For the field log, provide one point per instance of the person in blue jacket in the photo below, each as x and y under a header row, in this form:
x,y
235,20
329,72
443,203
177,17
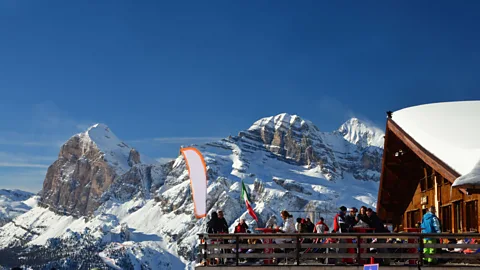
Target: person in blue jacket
x,y
430,224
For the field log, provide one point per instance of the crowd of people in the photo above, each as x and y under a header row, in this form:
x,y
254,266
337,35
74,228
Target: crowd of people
x,y
345,221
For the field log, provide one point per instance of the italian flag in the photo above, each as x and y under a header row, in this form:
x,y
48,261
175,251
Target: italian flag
x,y
246,198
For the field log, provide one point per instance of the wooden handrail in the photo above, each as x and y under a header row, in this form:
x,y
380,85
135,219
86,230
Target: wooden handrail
x,y
359,242
342,235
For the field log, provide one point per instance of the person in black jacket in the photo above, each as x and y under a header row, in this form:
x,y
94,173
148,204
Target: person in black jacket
x,y
215,225
375,222
350,219
223,221
309,224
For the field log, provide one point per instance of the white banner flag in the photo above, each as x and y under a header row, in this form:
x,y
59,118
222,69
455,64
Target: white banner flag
x,y
197,170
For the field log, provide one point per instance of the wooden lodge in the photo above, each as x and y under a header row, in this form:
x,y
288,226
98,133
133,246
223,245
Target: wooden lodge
x,y
413,178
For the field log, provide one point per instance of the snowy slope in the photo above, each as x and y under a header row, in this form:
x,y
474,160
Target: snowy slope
x,y
115,151
14,203
285,161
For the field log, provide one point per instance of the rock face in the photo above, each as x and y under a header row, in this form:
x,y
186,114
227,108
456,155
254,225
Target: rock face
x,y
133,157
287,136
87,166
355,147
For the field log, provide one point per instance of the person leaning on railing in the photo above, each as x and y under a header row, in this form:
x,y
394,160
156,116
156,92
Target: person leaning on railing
x,y
288,227
362,217
288,223
430,224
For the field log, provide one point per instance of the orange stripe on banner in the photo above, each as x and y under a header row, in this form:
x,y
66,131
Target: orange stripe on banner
x,y
188,167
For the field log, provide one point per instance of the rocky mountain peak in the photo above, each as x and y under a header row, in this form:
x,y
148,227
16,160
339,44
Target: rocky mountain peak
x,y
361,133
88,164
283,122
287,136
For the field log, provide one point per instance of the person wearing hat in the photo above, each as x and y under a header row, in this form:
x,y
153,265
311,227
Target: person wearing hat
x,y
339,224
350,219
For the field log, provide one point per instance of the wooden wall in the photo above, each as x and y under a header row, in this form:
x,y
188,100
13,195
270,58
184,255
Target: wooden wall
x,y
450,204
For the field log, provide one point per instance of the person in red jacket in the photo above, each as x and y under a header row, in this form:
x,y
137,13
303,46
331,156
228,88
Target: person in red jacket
x,y
321,227
339,224
241,227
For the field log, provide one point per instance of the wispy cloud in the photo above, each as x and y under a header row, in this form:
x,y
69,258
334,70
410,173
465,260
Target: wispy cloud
x,y
47,116
50,127
24,179
21,160
164,159
42,134
177,140
22,165
340,112
83,126
7,141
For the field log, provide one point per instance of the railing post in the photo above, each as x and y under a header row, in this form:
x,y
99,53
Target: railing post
x,y
358,250
205,249
420,252
237,243
298,250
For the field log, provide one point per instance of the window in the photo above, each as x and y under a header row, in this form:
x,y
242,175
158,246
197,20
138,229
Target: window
x,y
446,218
457,211
471,214
413,217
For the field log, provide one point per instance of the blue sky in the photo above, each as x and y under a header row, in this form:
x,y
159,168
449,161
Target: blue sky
x,y
193,71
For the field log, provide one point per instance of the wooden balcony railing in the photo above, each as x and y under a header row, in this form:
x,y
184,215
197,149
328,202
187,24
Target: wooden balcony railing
x,y
345,248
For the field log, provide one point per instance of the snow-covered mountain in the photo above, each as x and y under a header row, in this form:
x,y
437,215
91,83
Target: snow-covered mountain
x,y
86,167
131,214
14,203
362,134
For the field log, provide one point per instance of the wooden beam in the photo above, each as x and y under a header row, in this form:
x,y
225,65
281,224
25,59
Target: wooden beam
x,y
429,158
473,191
382,174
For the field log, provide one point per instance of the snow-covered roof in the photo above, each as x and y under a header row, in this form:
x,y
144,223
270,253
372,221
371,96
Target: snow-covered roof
x,y
448,130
